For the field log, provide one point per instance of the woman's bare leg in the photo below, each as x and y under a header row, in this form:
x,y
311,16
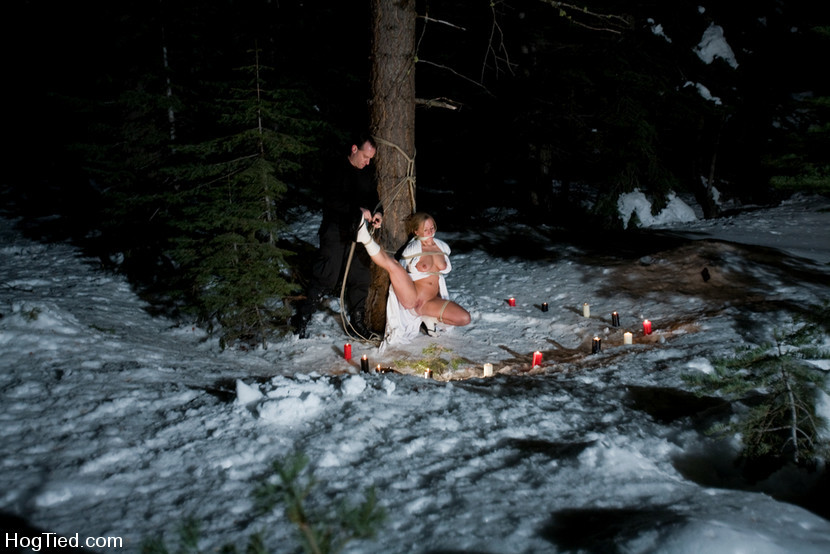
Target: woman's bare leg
x,y
404,286
445,311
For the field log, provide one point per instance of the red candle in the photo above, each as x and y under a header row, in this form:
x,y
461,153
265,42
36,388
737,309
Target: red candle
x,y
647,327
347,351
537,359
511,301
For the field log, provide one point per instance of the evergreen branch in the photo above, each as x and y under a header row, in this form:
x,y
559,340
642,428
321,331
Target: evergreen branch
x,y
784,421
793,413
310,536
321,531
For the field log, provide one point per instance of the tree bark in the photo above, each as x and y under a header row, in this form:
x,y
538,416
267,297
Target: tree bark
x,y
392,122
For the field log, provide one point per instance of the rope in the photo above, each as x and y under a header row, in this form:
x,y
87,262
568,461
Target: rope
x,y
421,254
408,179
441,313
343,320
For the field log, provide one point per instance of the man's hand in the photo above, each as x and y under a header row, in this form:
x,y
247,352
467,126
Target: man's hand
x,y
377,220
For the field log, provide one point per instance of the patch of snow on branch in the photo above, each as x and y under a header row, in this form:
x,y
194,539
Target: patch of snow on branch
x,y
703,91
657,29
713,45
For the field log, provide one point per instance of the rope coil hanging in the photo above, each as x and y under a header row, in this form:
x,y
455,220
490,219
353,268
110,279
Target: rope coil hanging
x,y
407,181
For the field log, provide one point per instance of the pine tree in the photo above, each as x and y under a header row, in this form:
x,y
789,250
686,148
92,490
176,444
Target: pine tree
x,y
780,391
799,159
123,151
226,210
323,528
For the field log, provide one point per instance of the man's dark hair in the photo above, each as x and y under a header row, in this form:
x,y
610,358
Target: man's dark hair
x,y
362,138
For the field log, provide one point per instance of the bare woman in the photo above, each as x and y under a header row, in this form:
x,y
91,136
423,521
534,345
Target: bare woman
x,y
419,285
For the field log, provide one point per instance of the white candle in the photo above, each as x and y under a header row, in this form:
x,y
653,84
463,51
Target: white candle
x,y
627,338
488,370
586,310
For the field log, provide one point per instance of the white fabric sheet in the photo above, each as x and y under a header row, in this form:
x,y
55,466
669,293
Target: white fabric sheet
x,y
402,325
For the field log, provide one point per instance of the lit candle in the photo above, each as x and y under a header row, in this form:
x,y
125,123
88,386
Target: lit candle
x,y
647,327
596,345
627,338
537,359
488,370
511,301
586,310
377,369
347,351
364,364
428,374
544,306
615,319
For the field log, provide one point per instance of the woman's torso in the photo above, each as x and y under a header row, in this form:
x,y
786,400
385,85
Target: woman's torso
x,y
428,266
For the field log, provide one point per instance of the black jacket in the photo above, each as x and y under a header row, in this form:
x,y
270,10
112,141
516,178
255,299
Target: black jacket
x,y
347,190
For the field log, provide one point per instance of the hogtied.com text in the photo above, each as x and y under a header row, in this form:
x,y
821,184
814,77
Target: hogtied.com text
x,y
52,540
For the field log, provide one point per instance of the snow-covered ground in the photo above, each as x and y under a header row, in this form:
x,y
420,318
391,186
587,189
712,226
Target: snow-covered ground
x,y
119,424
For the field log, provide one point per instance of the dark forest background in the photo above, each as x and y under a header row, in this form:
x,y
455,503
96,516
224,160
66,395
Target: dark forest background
x,y
171,139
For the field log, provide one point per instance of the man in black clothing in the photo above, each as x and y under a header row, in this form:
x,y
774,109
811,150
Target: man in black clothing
x,y
352,186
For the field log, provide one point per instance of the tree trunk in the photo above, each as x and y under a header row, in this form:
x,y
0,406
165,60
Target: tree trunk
x,y
392,122
704,190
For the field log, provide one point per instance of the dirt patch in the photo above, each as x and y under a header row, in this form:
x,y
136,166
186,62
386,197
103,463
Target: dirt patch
x,y
720,273
717,275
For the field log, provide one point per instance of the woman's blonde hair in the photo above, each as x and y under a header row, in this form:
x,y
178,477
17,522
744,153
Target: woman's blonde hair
x,y
416,220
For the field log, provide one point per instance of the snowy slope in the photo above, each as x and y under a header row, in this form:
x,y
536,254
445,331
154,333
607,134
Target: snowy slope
x,y
119,424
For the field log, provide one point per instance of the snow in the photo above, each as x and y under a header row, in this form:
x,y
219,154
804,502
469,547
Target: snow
x,y
116,423
713,45
676,210
657,29
704,92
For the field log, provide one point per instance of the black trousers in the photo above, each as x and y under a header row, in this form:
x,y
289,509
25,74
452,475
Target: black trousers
x,y
328,269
